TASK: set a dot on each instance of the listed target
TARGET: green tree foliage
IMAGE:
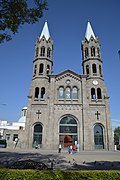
(14, 13)
(117, 135)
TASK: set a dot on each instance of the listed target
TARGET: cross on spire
(97, 114)
(38, 113)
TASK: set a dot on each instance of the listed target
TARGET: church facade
(68, 108)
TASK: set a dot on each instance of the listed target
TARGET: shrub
(12, 174)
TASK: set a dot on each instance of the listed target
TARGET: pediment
(68, 74)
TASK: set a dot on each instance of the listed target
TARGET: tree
(14, 13)
(117, 135)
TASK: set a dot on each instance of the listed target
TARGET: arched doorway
(68, 131)
(98, 137)
(37, 136)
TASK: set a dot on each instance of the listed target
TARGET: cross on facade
(38, 113)
(97, 114)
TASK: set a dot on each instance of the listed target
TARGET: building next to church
(13, 132)
(67, 108)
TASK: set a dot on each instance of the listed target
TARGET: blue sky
(67, 22)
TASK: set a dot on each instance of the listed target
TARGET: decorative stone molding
(67, 107)
(67, 75)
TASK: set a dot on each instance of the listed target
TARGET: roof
(24, 108)
(89, 32)
(45, 31)
(67, 72)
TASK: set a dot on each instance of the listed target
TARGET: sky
(67, 21)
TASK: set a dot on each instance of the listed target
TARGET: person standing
(60, 147)
(71, 149)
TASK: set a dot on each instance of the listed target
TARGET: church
(68, 108)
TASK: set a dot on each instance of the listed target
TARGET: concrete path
(78, 160)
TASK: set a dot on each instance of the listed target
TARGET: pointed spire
(89, 32)
(45, 31)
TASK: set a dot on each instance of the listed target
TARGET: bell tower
(92, 63)
(42, 64)
(97, 98)
(38, 98)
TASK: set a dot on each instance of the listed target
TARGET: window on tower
(42, 93)
(42, 53)
(86, 52)
(100, 70)
(98, 52)
(48, 52)
(98, 137)
(41, 68)
(93, 95)
(35, 69)
(37, 135)
(94, 69)
(99, 94)
(48, 69)
(92, 51)
(87, 69)
(37, 52)
(36, 92)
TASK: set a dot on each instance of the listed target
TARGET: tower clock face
(95, 82)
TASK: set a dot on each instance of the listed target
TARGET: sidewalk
(78, 160)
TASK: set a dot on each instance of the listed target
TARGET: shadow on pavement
(41, 161)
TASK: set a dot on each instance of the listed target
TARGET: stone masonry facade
(68, 108)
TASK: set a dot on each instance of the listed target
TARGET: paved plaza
(83, 160)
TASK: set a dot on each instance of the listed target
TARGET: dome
(24, 108)
(22, 119)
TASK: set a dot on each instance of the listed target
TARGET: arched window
(36, 92)
(92, 51)
(68, 131)
(87, 69)
(37, 52)
(98, 137)
(42, 53)
(48, 69)
(68, 93)
(48, 52)
(86, 52)
(42, 93)
(37, 135)
(41, 68)
(35, 69)
(75, 93)
(93, 95)
(99, 94)
(100, 70)
(61, 93)
(94, 68)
